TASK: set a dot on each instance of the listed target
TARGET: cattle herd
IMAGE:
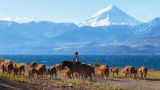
(71, 70)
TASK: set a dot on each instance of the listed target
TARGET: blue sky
(73, 11)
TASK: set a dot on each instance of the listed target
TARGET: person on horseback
(76, 57)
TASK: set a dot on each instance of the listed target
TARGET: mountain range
(109, 32)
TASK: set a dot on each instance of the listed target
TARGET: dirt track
(6, 84)
(138, 84)
(49, 84)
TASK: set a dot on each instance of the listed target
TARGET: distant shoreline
(151, 61)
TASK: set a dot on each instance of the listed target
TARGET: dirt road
(54, 84)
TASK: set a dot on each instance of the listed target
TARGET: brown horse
(143, 71)
(21, 69)
(52, 71)
(90, 71)
(114, 70)
(67, 73)
(40, 70)
(7, 66)
(130, 71)
(58, 67)
(76, 67)
(31, 70)
(33, 64)
(15, 71)
(135, 73)
(104, 71)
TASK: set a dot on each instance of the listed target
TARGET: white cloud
(17, 19)
(6, 18)
(23, 19)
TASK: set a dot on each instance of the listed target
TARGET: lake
(152, 62)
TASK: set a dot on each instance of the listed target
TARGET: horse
(74, 68)
(21, 69)
(143, 71)
(51, 71)
(67, 73)
(7, 66)
(31, 70)
(114, 70)
(58, 67)
(130, 71)
(90, 71)
(15, 71)
(40, 70)
(33, 64)
(77, 67)
(104, 71)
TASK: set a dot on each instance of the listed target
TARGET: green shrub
(96, 63)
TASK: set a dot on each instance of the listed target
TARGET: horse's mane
(68, 63)
(33, 64)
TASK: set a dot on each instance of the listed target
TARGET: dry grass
(21, 79)
(153, 75)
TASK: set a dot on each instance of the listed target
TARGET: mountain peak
(104, 10)
(111, 15)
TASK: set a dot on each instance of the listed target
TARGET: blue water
(152, 62)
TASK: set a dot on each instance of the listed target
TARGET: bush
(96, 63)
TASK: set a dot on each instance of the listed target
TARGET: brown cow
(104, 71)
(143, 71)
(114, 70)
(21, 69)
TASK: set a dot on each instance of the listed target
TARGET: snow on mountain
(111, 15)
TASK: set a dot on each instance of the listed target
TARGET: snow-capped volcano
(111, 15)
